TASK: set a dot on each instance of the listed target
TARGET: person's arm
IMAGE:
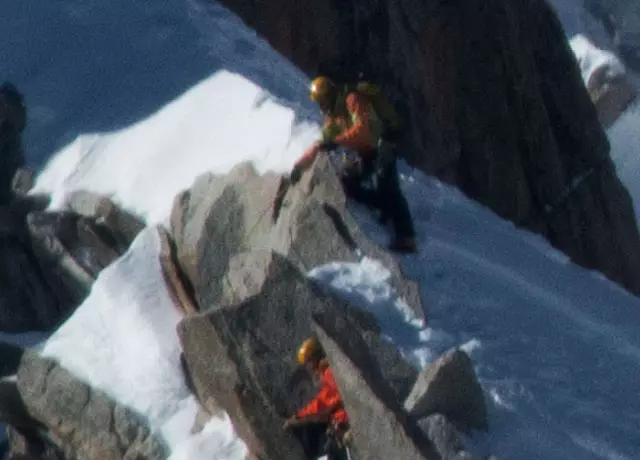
(329, 132)
(317, 409)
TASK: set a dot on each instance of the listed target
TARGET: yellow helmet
(322, 89)
(309, 349)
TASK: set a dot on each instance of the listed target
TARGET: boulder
(494, 103)
(23, 181)
(380, 428)
(72, 250)
(241, 355)
(450, 387)
(213, 220)
(611, 96)
(444, 437)
(242, 358)
(82, 419)
(123, 226)
(222, 216)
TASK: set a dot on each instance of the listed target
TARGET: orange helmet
(322, 89)
(309, 349)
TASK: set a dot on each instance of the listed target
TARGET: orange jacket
(359, 132)
(327, 402)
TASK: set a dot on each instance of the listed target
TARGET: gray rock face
(450, 387)
(71, 250)
(444, 437)
(223, 216)
(122, 225)
(241, 357)
(55, 258)
(610, 95)
(23, 181)
(495, 104)
(81, 419)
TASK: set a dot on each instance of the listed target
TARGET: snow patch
(127, 328)
(367, 285)
(591, 59)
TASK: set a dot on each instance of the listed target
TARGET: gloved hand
(327, 145)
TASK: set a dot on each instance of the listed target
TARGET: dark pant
(316, 442)
(386, 195)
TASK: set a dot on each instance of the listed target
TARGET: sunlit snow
(134, 100)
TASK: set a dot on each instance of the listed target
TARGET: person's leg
(312, 437)
(352, 183)
(337, 450)
(394, 204)
(353, 188)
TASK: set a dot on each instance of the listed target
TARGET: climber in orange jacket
(323, 422)
(352, 122)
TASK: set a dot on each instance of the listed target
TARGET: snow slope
(133, 100)
(89, 67)
(624, 136)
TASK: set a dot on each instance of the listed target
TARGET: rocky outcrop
(123, 226)
(23, 181)
(380, 428)
(71, 251)
(449, 386)
(495, 103)
(55, 258)
(611, 95)
(243, 258)
(311, 227)
(80, 420)
(444, 438)
(241, 357)
(606, 79)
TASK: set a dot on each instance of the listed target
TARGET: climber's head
(323, 91)
(311, 354)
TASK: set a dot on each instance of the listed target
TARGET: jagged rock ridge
(495, 103)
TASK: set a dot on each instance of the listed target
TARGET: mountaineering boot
(404, 245)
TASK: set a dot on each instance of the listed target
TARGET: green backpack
(391, 120)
